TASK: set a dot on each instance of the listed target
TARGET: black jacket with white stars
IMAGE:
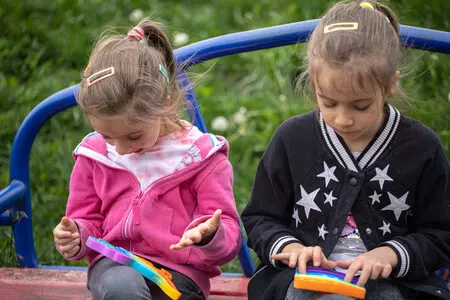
(398, 190)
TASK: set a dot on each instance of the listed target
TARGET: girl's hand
(202, 234)
(296, 255)
(376, 263)
(67, 237)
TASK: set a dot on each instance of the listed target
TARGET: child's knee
(125, 283)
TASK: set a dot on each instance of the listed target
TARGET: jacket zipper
(143, 192)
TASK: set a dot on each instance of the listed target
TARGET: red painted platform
(43, 284)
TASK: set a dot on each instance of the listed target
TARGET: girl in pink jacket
(146, 180)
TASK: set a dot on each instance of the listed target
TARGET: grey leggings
(381, 289)
(110, 280)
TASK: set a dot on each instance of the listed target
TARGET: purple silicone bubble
(330, 273)
(108, 250)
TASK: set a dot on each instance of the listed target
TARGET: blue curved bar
(5, 218)
(276, 36)
(246, 41)
(289, 34)
(425, 39)
(11, 194)
(20, 169)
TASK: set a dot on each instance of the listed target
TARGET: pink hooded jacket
(106, 201)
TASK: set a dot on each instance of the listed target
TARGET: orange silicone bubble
(326, 285)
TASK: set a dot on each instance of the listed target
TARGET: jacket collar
(371, 153)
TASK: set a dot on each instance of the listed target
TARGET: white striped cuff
(404, 257)
(278, 245)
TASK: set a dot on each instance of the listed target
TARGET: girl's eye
(134, 138)
(361, 108)
(329, 105)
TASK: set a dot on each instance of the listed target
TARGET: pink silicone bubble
(115, 253)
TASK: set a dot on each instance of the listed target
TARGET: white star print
(329, 198)
(307, 201)
(398, 205)
(382, 176)
(328, 174)
(322, 231)
(375, 197)
(296, 217)
(385, 228)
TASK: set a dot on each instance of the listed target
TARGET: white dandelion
(220, 124)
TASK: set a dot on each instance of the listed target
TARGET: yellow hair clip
(366, 5)
(340, 27)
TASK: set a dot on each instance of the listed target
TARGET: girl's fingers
(176, 247)
(328, 264)
(62, 234)
(216, 218)
(364, 276)
(317, 256)
(303, 259)
(376, 271)
(193, 236)
(72, 252)
(205, 229)
(184, 242)
(68, 247)
(293, 259)
(64, 241)
(352, 269)
(344, 264)
(281, 256)
(386, 272)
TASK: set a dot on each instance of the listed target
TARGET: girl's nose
(123, 149)
(343, 120)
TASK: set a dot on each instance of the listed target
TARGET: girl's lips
(340, 132)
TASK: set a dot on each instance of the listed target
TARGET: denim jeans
(108, 279)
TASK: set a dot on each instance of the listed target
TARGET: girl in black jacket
(355, 185)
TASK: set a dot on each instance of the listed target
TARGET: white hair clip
(340, 27)
(100, 75)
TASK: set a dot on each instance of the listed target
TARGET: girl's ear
(394, 86)
(168, 101)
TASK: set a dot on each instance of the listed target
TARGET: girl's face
(355, 114)
(127, 139)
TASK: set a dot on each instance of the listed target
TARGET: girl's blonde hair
(138, 89)
(369, 47)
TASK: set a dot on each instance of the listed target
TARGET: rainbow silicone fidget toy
(328, 281)
(159, 276)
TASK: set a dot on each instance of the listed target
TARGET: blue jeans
(108, 279)
(380, 289)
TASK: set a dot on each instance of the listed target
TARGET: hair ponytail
(390, 14)
(156, 38)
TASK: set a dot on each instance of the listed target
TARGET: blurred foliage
(44, 45)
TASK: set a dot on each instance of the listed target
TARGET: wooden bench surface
(45, 284)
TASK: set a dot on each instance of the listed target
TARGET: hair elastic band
(137, 33)
(100, 75)
(340, 27)
(370, 6)
(164, 73)
(366, 5)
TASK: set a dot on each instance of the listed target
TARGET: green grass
(46, 44)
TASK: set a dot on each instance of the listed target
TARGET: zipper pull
(137, 218)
